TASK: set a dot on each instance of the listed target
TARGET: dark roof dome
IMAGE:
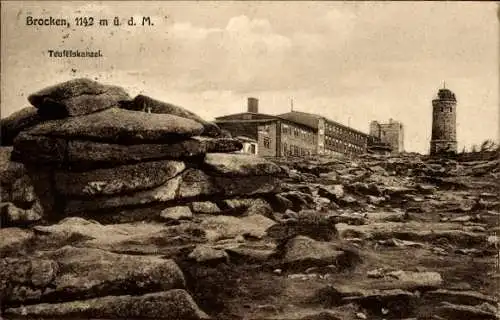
(446, 94)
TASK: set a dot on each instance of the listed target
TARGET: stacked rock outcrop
(19, 204)
(103, 152)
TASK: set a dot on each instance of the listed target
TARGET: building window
(252, 148)
(264, 129)
(267, 142)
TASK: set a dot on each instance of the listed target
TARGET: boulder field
(116, 207)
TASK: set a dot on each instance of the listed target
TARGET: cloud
(357, 60)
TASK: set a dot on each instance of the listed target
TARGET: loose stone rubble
(121, 207)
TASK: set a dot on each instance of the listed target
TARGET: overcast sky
(352, 62)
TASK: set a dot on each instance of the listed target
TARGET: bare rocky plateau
(110, 212)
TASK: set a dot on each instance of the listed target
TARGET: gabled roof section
(304, 118)
(311, 120)
(246, 116)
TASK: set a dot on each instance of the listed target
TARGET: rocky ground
(377, 237)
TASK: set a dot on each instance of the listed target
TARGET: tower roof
(446, 94)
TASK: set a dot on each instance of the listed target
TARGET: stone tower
(444, 123)
(391, 133)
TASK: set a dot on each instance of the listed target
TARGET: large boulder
(80, 273)
(121, 126)
(17, 122)
(76, 97)
(174, 304)
(117, 180)
(147, 104)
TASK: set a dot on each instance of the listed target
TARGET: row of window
(296, 132)
(343, 146)
(339, 131)
(333, 140)
(294, 150)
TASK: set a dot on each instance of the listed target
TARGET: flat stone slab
(227, 227)
(121, 126)
(117, 180)
(414, 231)
(163, 193)
(94, 152)
(304, 250)
(84, 154)
(239, 165)
(77, 97)
(172, 304)
(464, 312)
(39, 149)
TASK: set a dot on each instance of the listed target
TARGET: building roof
(252, 114)
(311, 120)
(245, 120)
(265, 118)
(245, 139)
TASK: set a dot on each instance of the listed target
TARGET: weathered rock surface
(120, 126)
(227, 227)
(173, 304)
(464, 312)
(39, 149)
(459, 297)
(176, 213)
(117, 180)
(204, 253)
(255, 239)
(76, 97)
(413, 231)
(14, 239)
(196, 182)
(147, 104)
(11, 215)
(79, 273)
(92, 153)
(17, 122)
(239, 165)
(163, 193)
(303, 252)
(138, 237)
(205, 207)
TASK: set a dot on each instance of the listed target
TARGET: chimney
(253, 105)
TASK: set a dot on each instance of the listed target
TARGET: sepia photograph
(248, 160)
